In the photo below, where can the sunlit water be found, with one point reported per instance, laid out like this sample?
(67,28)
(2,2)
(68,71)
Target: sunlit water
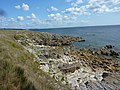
(96,37)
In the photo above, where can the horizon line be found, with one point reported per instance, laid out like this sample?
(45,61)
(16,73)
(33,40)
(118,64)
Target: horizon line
(59,27)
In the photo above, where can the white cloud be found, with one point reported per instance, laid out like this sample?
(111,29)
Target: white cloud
(102,9)
(18,7)
(32,17)
(115,9)
(17,23)
(52,8)
(72,10)
(77,2)
(115,1)
(103,6)
(24,7)
(91,7)
(77,11)
(11,23)
(59,19)
(56,17)
(20,18)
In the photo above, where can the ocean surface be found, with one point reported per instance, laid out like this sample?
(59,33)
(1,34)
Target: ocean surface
(95,36)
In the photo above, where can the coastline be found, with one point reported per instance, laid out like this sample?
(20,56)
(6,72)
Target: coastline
(96,37)
(80,69)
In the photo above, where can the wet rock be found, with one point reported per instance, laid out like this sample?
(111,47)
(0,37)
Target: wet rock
(81,40)
(109,46)
(114,53)
(108,51)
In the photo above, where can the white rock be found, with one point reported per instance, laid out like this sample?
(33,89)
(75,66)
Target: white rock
(45,67)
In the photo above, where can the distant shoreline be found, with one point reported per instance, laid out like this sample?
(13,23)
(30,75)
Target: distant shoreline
(57,28)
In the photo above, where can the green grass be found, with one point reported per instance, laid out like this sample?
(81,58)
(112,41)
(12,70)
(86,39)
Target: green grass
(18,71)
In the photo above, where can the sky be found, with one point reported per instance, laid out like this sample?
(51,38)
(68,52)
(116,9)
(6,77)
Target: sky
(31,14)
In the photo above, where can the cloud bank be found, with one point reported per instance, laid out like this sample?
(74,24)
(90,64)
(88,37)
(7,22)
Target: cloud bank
(67,16)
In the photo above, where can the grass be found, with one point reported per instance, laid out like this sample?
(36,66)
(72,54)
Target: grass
(18,71)
(13,78)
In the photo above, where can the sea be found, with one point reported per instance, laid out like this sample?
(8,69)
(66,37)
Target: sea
(95,36)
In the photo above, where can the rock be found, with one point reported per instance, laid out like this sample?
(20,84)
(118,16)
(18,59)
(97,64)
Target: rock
(109,46)
(82,40)
(70,67)
(98,75)
(45,68)
(58,56)
(105,52)
(114,53)
(104,75)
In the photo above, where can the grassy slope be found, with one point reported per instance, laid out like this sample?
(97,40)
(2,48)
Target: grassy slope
(18,71)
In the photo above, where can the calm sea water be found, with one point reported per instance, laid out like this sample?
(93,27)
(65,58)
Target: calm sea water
(95,36)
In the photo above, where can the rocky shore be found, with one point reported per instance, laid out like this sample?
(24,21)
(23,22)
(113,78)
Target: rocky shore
(79,68)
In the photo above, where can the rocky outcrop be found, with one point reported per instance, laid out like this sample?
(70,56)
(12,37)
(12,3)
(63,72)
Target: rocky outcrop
(108,51)
(109,82)
(49,39)
(81,69)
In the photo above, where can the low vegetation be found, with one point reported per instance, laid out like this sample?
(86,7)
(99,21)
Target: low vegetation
(18,68)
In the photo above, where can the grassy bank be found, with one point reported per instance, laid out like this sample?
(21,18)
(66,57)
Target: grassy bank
(18,69)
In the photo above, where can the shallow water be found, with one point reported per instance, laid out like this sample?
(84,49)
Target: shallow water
(95,36)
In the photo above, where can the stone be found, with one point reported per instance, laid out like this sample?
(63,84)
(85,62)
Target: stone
(114,53)
(109,46)
(105,52)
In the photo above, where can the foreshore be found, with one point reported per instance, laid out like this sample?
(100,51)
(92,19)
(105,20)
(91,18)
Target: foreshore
(78,68)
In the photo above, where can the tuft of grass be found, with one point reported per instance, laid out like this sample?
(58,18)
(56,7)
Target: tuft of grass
(13,78)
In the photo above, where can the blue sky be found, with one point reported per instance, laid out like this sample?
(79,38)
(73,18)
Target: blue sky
(58,13)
